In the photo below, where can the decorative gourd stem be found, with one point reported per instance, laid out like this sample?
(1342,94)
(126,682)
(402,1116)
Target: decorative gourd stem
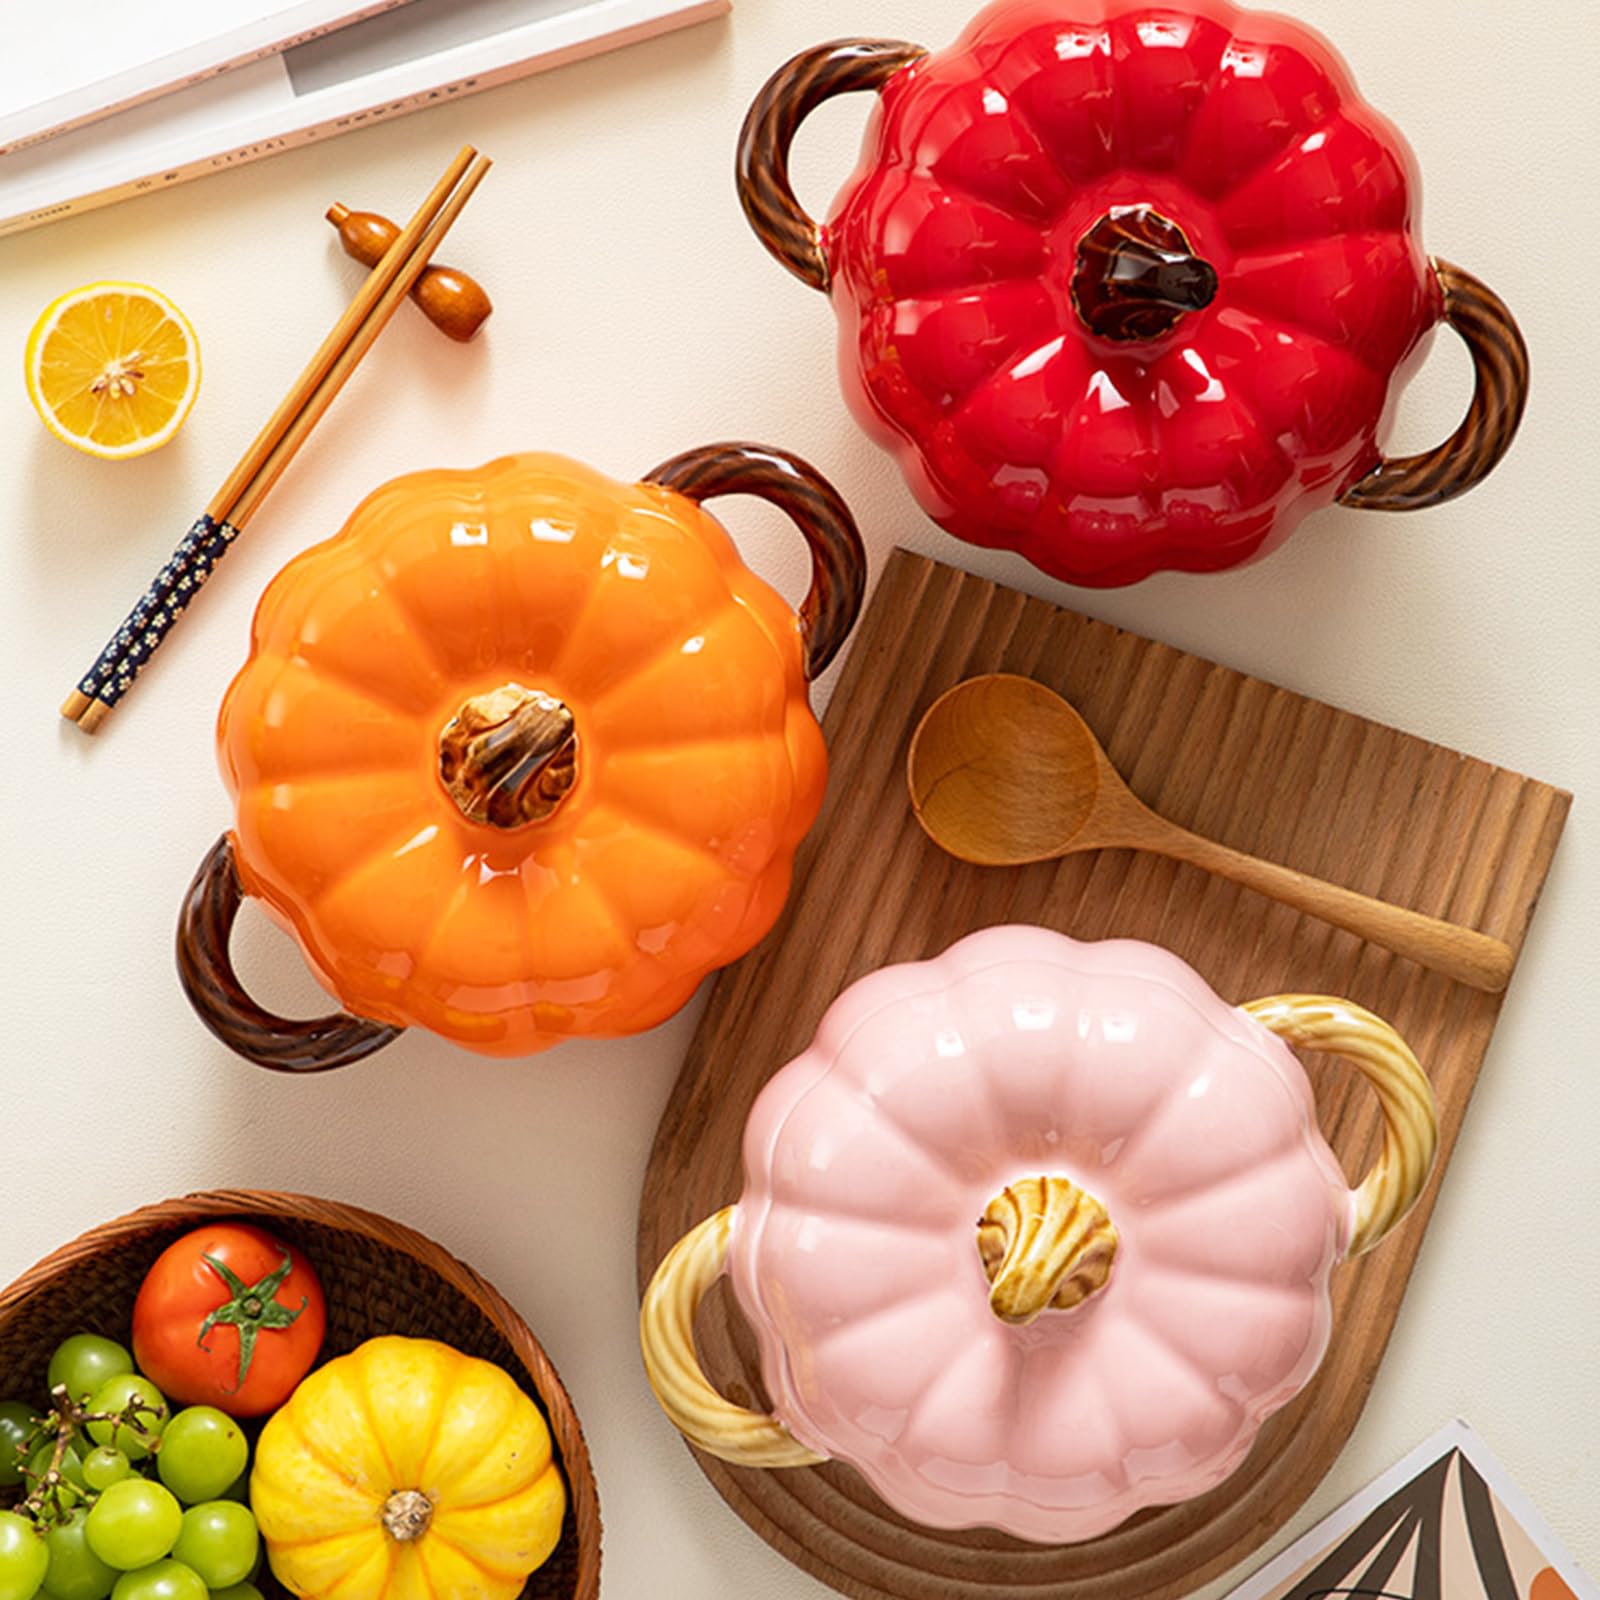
(509,757)
(1136,276)
(406,1515)
(1046,1244)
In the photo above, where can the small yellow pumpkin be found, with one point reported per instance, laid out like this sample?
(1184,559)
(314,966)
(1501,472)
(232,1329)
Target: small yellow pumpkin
(407,1470)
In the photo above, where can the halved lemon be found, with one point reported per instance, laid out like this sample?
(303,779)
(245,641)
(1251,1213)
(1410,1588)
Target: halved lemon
(113,368)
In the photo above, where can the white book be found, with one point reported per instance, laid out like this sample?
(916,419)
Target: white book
(407,56)
(88,59)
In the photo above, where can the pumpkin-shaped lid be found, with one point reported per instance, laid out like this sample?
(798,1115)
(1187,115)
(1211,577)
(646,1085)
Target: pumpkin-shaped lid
(523,753)
(1126,285)
(1105,1114)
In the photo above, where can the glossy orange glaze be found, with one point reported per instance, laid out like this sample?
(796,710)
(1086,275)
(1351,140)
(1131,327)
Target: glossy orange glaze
(701,765)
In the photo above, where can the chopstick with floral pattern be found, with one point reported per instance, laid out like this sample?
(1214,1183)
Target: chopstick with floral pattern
(146,627)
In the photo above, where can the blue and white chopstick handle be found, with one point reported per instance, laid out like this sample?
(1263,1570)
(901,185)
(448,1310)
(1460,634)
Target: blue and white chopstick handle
(185,573)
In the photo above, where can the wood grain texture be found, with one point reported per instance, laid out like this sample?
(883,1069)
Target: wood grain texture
(1255,766)
(206,971)
(813,505)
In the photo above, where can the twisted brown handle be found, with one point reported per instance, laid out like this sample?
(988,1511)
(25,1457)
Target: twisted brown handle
(790,95)
(1499,397)
(206,970)
(838,558)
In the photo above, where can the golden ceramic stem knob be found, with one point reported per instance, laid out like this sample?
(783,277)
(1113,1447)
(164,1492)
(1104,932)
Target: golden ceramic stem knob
(454,303)
(1047,1245)
(509,757)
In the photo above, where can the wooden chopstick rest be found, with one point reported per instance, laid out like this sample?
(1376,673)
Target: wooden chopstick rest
(454,303)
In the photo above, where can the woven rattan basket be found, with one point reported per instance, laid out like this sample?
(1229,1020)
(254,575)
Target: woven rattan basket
(379,1278)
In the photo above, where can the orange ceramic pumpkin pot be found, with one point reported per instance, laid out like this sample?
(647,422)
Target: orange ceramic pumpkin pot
(521,755)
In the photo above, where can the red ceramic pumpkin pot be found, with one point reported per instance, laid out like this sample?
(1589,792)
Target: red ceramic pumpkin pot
(1130,286)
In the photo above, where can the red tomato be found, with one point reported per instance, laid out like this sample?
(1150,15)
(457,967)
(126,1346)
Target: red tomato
(229,1317)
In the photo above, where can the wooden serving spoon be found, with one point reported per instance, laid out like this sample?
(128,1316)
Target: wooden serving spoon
(1003,771)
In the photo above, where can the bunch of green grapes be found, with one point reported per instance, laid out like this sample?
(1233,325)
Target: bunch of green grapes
(114,1495)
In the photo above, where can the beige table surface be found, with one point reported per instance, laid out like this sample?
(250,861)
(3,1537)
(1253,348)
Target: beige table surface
(636,316)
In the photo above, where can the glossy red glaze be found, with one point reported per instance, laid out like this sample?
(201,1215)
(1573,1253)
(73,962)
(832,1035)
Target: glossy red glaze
(953,247)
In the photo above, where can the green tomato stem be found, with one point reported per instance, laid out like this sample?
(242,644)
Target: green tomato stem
(253,1309)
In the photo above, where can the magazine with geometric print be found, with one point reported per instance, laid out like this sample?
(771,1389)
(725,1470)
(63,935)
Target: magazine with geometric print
(1447,1523)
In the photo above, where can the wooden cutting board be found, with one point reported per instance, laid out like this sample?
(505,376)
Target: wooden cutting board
(1234,758)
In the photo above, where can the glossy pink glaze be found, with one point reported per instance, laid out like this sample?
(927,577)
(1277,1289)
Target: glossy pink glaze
(953,247)
(1021,1053)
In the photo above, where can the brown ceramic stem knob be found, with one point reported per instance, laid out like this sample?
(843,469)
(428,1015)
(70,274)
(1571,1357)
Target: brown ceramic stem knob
(1136,277)
(454,303)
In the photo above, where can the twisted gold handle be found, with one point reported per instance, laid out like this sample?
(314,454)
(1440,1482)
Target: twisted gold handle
(666,1336)
(1410,1113)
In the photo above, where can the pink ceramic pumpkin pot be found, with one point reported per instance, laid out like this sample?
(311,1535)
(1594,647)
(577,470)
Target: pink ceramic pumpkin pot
(1037,1234)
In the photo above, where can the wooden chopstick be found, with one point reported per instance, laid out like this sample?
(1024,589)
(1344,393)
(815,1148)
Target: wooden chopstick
(322,397)
(147,625)
(366,297)
(209,539)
